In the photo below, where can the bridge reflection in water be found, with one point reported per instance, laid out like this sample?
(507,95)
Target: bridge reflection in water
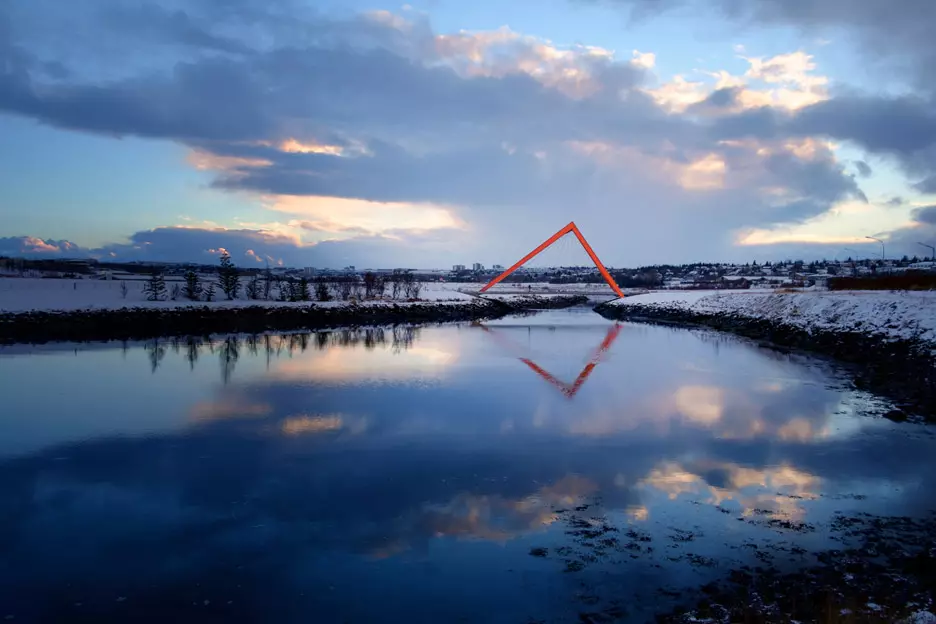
(568,389)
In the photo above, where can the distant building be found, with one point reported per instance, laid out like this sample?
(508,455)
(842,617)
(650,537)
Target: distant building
(458,268)
(498,267)
(477,266)
(308,271)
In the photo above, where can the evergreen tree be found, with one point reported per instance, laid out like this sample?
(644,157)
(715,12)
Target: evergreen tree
(155,287)
(253,288)
(210,292)
(228,277)
(303,291)
(193,287)
(321,291)
(268,283)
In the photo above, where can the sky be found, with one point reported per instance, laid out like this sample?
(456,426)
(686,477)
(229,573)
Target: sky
(329,133)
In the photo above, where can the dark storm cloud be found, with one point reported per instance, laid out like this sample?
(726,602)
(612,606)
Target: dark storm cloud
(925,215)
(927,185)
(900,126)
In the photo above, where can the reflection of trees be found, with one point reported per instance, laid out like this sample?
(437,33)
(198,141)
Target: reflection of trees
(404,337)
(278,345)
(155,351)
(192,346)
(229,352)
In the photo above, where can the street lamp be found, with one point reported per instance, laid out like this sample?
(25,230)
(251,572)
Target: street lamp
(882,245)
(931,248)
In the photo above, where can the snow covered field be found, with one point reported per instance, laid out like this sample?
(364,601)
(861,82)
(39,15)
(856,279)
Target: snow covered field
(24,294)
(884,313)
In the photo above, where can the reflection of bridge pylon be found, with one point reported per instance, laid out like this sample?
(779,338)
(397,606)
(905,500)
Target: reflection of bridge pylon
(571,227)
(569,390)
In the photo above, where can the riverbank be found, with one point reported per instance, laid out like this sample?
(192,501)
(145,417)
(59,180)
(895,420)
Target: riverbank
(137,323)
(887,339)
(884,572)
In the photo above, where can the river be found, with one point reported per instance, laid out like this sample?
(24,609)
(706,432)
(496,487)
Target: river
(533,468)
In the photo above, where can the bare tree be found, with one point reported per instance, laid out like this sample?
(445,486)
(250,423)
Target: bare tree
(396,283)
(370,284)
(124,289)
(413,287)
(346,285)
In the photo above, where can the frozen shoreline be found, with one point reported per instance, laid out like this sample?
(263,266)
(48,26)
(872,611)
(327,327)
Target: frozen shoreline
(892,315)
(888,339)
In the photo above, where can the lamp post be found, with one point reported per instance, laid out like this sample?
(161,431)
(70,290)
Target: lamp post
(882,245)
(931,248)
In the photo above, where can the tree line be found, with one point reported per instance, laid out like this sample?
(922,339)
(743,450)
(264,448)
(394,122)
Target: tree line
(398,285)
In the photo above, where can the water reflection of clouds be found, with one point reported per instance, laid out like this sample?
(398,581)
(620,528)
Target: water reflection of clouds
(305,424)
(776,489)
(490,517)
(337,365)
(228,407)
(485,453)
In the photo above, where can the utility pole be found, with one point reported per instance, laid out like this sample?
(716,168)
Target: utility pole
(882,245)
(931,248)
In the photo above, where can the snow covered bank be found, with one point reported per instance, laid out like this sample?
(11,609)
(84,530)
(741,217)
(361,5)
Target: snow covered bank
(203,318)
(890,337)
(24,294)
(898,315)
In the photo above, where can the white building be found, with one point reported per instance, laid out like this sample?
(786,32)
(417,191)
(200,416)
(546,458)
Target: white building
(477,266)
(458,268)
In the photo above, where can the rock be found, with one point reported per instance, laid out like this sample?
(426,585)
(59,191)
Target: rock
(896,415)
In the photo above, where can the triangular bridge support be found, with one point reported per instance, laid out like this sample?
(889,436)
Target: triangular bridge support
(549,241)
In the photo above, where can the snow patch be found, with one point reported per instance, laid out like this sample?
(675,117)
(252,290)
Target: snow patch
(892,315)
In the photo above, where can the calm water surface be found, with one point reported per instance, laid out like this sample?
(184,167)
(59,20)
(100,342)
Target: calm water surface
(527,469)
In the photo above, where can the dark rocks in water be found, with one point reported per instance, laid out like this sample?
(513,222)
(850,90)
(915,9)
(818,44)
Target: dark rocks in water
(886,573)
(539,552)
(902,370)
(896,415)
(142,323)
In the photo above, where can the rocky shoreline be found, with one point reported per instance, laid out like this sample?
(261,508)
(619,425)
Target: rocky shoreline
(902,370)
(883,572)
(142,323)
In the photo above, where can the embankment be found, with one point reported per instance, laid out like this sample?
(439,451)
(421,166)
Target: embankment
(887,340)
(140,323)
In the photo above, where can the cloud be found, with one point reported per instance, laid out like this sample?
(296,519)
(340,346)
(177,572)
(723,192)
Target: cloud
(895,40)
(361,126)
(864,169)
(926,215)
(37,247)
(400,247)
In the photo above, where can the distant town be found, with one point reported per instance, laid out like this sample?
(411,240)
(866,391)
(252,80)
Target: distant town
(702,275)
